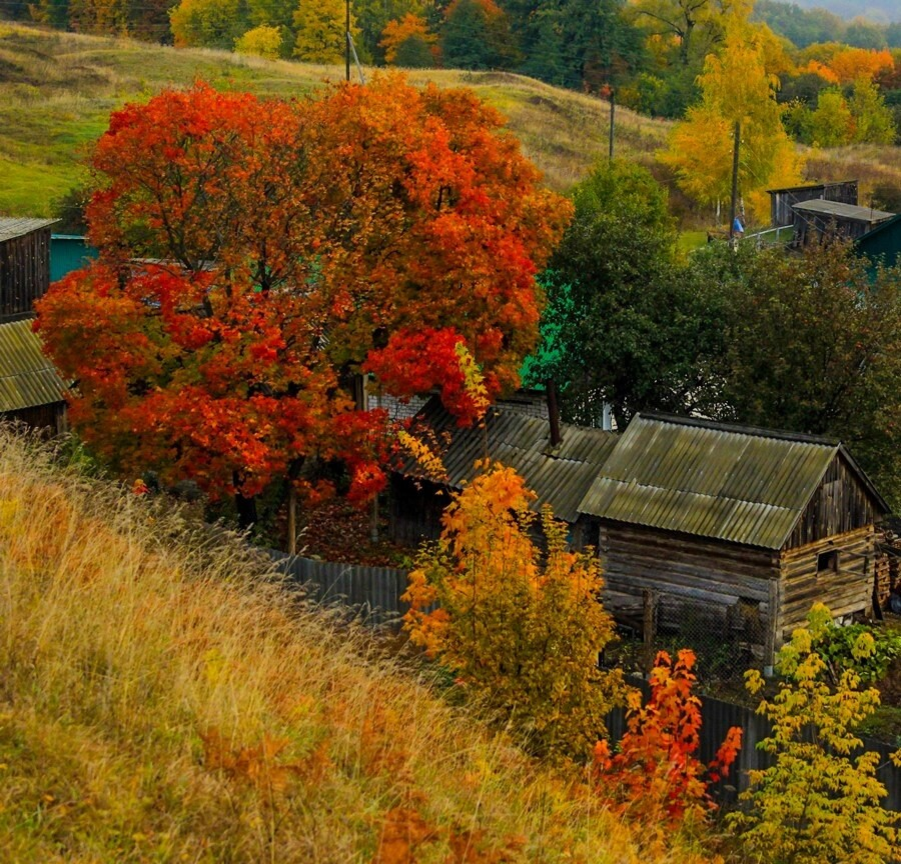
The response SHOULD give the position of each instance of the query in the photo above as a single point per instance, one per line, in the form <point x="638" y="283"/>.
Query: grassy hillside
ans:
<point x="162" y="700"/>
<point x="58" y="90"/>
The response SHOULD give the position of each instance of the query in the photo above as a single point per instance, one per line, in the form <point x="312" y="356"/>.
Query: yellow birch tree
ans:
<point x="736" y="88"/>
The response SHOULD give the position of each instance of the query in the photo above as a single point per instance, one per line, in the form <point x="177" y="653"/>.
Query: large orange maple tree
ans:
<point x="257" y="255"/>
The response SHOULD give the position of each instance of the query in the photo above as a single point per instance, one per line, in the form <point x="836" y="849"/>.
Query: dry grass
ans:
<point x="162" y="699"/>
<point x="58" y="89"/>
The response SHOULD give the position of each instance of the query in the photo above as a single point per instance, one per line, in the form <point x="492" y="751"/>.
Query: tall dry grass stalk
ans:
<point x="164" y="698"/>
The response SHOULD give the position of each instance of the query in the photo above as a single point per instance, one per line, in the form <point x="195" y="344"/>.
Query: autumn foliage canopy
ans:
<point x="256" y="255"/>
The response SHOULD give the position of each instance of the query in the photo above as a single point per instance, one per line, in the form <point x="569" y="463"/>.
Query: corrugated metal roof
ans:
<point x="844" y="211"/>
<point x="731" y="483"/>
<point x="27" y="378"/>
<point x="559" y="477"/>
<point x="10" y="228"/>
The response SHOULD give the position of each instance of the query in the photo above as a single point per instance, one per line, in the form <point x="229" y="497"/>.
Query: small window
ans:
<point x="827" y="562"/>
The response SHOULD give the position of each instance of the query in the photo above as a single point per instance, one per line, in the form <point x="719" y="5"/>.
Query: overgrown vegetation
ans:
<point x="163" y="699"/>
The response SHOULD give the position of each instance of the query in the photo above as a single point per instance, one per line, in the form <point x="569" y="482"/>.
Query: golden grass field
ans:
<point x="163" y="699"/>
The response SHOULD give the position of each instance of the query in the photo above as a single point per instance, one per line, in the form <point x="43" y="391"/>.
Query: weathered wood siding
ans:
<point x="847" y="589"/>
<point x="841" y="504"/>
<point x="688" y="572"/>
<point x="781" y="200"/>
<point x="50" y="419"/>
<point x="24" y="273"/>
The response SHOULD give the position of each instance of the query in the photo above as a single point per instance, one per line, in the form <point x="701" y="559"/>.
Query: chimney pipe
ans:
<point x="553" y="412"/>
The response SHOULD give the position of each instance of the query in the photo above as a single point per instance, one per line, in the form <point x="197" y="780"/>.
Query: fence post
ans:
<point x="648" y="625"/>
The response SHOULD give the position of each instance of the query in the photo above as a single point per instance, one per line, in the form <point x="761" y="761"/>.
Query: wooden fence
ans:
<point x="373" y="593"/>
<point x="718" y="717"/>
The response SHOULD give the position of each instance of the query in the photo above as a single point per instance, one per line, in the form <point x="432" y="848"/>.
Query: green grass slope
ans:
<point x="57" y="91"/>
<point x="162" y="699"/>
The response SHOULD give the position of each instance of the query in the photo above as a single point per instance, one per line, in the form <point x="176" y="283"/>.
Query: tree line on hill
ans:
<point x="651" y="51"/>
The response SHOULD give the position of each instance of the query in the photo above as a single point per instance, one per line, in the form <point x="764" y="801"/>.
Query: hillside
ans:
<point x="58" y="90"/>
<point x="163" y="700"/>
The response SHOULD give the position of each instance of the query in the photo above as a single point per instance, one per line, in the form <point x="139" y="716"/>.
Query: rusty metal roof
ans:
<point x="11" y="228"/>
<point x="734" y="483"/>
<point x="27" y="378"/>
<point x="559" y="476"/>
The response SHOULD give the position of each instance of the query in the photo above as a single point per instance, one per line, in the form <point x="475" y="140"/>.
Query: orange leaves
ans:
<point x="257" y="766"/>
<point x="517" y="628"/>
<point x="297" y="242"/>
<point x="655" y="776"/>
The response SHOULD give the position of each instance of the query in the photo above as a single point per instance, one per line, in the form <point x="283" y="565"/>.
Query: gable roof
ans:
<point x="27" y="378"/>
<point x="735" y="483"/>
<point x="559" y="476"/>
<point x="10" y="228"/>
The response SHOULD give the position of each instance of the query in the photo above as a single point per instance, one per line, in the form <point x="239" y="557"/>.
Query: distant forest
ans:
<point x="650" y="51"/>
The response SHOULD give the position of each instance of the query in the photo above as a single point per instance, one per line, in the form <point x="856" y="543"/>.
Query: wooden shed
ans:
<point x="24" y="265"/>
<point x="883" y="243"/>
<point x="747" y="524"/>
<point x="560" y="475"/>
<point x="31" y="390"/>
<point x="782" y="201"/>
<point x="815" y="219"/>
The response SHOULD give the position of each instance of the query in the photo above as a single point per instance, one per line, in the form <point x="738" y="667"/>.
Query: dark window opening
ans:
<point x="827" y="562"/>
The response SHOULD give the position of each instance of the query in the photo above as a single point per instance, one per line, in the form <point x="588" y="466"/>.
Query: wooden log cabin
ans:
<point x="748" y="525"/>
<point x="31" y="390"/>
<point x="24" y="265"/>
<point x="735" y="528"/>
<point x="559" y="473"/>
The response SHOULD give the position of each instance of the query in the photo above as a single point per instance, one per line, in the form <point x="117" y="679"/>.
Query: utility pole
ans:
<point x="734" y="183"/>
<point x="347" y="41"/>
<point x="612" y="120"/>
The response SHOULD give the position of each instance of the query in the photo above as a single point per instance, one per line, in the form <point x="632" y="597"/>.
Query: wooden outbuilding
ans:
<point x="31" y="390"/>
<point x="782" y="201"/>
<point x="748" y="526"/>
<point x="24" y="265"/>
<point x="883" y="243"/>
<point x="560" y="474"/>
<point x="745" y="528"/>
<point x="817" y="219"/>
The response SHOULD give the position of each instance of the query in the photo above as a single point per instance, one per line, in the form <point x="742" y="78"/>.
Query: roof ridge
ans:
<point x="740" y="428"/>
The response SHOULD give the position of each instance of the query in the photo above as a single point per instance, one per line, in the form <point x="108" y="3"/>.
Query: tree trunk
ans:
<point x="246" y="507"/>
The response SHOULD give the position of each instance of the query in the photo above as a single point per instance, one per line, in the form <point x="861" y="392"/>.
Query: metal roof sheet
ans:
<point x="16" y="227"/>
<point x="737" y="484"/>
<point x="27" y="378"/>
<point x="559" y="477"/>
<point x="844" y="211"/>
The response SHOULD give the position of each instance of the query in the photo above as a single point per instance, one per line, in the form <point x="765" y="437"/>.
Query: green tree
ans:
<point x="810" y="343"/>
<point x="319" y="25"/>
<point x="208" y="23"/>
<point x="816" y="804"/>
<point x="476" y="35"/>
<point x="519" y="627"/>
<point x="620" y="326"/>
<point x="874" y="122"/>
<point x="831" y="124"/>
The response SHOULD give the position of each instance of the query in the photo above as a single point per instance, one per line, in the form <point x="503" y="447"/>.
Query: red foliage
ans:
<point x="292" y="240"/>
<point x="656" y="775"/>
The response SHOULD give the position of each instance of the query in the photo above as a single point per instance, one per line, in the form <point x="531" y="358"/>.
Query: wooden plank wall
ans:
<point x="846" y="590"/>
<point x="24" y="273"/>
<point x="415" y="510"/>
<point x="690" y="572"/>
<point x="840" y="505"/>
